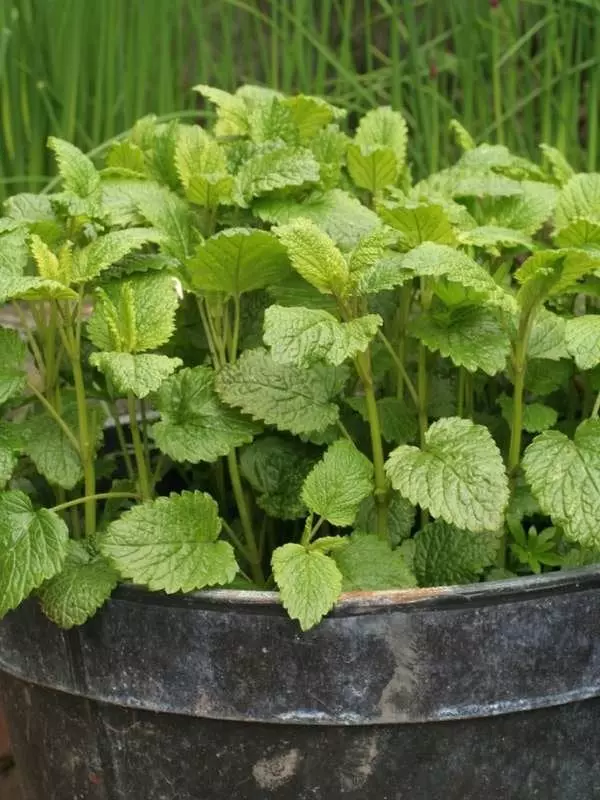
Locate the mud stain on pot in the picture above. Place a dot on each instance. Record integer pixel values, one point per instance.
(398, 694)
(359, 763)
(275, 772)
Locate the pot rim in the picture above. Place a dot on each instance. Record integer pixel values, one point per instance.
(358, 603)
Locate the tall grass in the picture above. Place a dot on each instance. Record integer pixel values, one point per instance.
(514, 71)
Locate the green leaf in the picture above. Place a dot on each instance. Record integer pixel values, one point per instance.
(33, 547)
(314, 256)
(383, 127)
(195, 425)
(373, 167)
(310, 115)
(582, 337)
(276, 469)
(559, 167)
(579, 198)
(337, 485)
(80, 589)
(107, 250)
(134, 315)
(547, 339)
(238, 260)
(462, 136)
(11, 443)
(202, 167)
(418, 223)
(53, 453)
(564, 476)
(459, 475)
(398, 423)
(493, 237)
(536, 416)
(544, 376)
(368, 563)
(485, 185)
(171, 544)
(75, 168)
(472, 336)
(15, 287)
(400, 517)
(172, 216)
(526, 212)
(294, 399)
(309, 583)
(304, 336)
(14, 253)
(445, 555)
(126, 155)
(12, 364)
(232, 111)
(329, 148)
(342, 217)
(273, 167)
(139, 374)
(385, 274)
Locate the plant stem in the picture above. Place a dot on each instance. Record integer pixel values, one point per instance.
(55, 416)
(102, 496)
(122, 441)
(236, 328)
(516, 433)
(235, 539)
(401, 368)
(400, 323)
(423, 391)
(138, 449)
(344, 430)
(596, 408)
(86, 446)
(245, 519)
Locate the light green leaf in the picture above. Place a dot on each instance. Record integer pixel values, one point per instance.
(459, 475)
(445, 555)
(418, 223)
(134, 315)
(564, 476)
(580, 233)
(500, 160)
(526, 212)
(33, 547)
(472, 336)
(582, 337)
(400, 517)
(329, 148)
(536, 416)
(14, 253)
(11, 443)
(126, 155)
(276, 469)
(544, 376)
(232, 111)
(383, 127)
(485, 185)
(492, 237)
(372, 168)
(139, 374)
(579, 198)
(314, 255)
(342, 217)
(386, 274)
(121, 199)
(195, 425)
(370, 250)
(274, 167)
(53, 453)
(547, 339)
(15, 287)
(310, 115)
(368, 563)
(309, 583)
(294, 399)
(559, 167)
(304, 336)
(463, 138)
(238, 260)
(398, 423)
(80, 589)
(172, 216)
(75, 168)
(12, 364)
(337, 485)
(107, 250)
(295, 291)
(171, 544)
(202, 167)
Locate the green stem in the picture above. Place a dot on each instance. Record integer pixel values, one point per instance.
(86, 446)
(245, 519)
(138, 449)
(400, 323)
(102, 496)
(114, 414)
(55, 416)
(596, 408)
(344, 430)
(423, 392)
(236, 540)
(236, 328)
(519, 366)
(401, 368)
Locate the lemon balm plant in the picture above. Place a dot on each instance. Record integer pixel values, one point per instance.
(315, 375)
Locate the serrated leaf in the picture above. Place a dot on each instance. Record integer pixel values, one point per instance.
(337, 485)
(418, 223)
(304, 336)
(12, 364)
(121, 199)
(107, 250)
(547, 339)
(16, 287)
(579, 198)
(559, 167)
(500, 160)
(458, 476)
(372, 168)
(295, 291)
(472, 336)
(82, 587)
(172, 216)
(171, 544)
(370, 250)
(342, 217)
(202, 167)
(14, 253)
(400, 517)
(232, 111)
(195, 425)
(445, 555)
(276, 469)
(526, 212)
(580, 233)
(238, 260)
(491, 237)
(294, 399)
(368, 563)
(139, 374)
(537, 417)
(310, 115)
(11, 443)
(314, 256)
(309, 583)
(386, 128)
(544, 376)
(462, 136)
(274, 167)
(386, 274)
(329, 148)
(582, 338)
(126, 155)
(398, 423)
(485, 185)
(75, 168)
(564, 476)
(33, 547)
(53, 453)
(134, 315)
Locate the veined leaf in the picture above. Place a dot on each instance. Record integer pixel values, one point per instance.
(368, 563)
(398, 423)
(171, 544)
(400, 517)
(274, 167)
(195, 425)
(491, 237)
(232, 111)
(172, 216)
(11, 444)
(579, 198)
(315, 256)
(373, 167)
(580, 233)
(14, 253)
(559, 167)
(383, 127)
(139, 374)
(77, 170)
(329, 148)
(107, 250)
(418, 223)
(202, 167)
(463, 138)
(582, 337)
(536, 416)
(547, 339)
(446, 555)
(525, 212)
(12, 364)
(53, 453)
(459, 475)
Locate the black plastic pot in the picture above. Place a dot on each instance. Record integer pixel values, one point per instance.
(471, 693)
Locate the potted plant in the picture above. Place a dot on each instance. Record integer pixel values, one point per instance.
(258, 358)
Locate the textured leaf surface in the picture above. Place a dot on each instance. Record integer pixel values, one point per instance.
(76, 169)
(303, 336)
(536, 416)
(314, 256)
(11, 443)
(560, 169)
(12, 364)
(368, 563)
(579, 198)
(419, 223)
(471, 336)
(400, 518)
(82, 587)
(52, 452)
(337, 485)
(291, 398)
(107, 250)
(547, 339)
(273, 168)
(139, 374)
(397, 421)
(202, 167)
(309, 583)
(33, 547)
(384, 127)
(373, 167)
(446, 555)
(171, 544)
(172, 216)
(582, 337)
(195, 425)
(564, 476)
(459, 475)
(527, 211)
(25, 287)
(14, 252)
(493, 236)
(238, 260)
